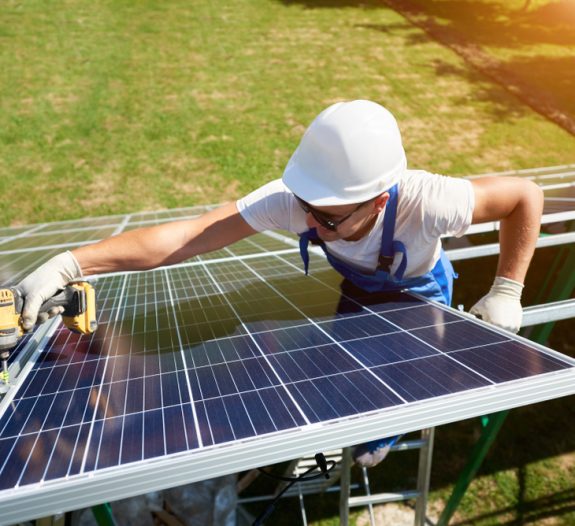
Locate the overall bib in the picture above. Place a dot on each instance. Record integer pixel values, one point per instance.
(436, 284)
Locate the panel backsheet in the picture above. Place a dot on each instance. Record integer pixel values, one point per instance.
(205, 355)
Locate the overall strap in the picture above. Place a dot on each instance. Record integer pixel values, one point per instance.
(304, 240)
(388, 245)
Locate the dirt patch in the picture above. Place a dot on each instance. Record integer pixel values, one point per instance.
(567, 461)
(395, 514)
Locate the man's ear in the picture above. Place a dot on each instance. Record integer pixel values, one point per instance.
(380, 202)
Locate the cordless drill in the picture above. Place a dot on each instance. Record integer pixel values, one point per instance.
(78, 300)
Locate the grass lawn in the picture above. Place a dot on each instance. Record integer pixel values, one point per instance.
(534, 40)
(122, 106)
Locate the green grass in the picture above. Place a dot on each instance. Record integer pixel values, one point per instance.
(111, 107)
(121, 106)
(536, 44)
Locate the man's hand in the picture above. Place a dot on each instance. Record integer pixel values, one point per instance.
(501, 306)
(43, 283)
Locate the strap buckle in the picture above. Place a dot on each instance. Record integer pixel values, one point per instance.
(384, 263)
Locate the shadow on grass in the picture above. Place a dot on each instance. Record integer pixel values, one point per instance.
(496, 24)
(549, 79)
(492, 23)
(336, 4)
(534, 511)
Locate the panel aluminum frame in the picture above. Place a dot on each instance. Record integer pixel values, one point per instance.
(78, 491)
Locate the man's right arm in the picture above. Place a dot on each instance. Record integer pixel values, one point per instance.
(139, 249)
(165, 244)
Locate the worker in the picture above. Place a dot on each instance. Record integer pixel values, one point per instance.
(347, 189)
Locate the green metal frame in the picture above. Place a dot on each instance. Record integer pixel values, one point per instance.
(560, 282)
(103, 515)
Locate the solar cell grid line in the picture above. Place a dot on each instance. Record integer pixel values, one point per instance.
(338, 342)
(94, 379)
(120, 228)
(31, 396)
(31, 471)
(92, 424)
(118, 379)
(90, 222)
(316, 325)
(190, 393)
(492, 343)
(60, 247)
(25, 233)
(11, 231)
(45, 232)
(110, 373)
(236, 281)
(56, 239)
(170, 213)
(15, 268)
(289, 395)
(189, 442)
(264, 244)
(410, 326)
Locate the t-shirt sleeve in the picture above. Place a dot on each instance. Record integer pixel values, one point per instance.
(271, 207)
(448, 204)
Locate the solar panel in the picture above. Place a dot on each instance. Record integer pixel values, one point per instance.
(213, 367)
(22, 249)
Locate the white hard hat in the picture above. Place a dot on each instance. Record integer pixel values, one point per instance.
(350, 153)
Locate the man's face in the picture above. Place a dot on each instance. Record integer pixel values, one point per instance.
(351, 222)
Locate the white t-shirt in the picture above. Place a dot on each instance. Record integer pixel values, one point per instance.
(429, 206)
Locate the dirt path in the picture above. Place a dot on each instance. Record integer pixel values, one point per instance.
(473, 54)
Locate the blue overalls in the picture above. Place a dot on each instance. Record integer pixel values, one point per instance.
(436, 284)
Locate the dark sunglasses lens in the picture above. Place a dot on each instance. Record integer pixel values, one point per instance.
(325, 222)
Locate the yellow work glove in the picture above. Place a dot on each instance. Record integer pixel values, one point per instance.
(501, 306)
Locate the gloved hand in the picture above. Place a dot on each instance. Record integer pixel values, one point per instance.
(501, 305)
(43, 283)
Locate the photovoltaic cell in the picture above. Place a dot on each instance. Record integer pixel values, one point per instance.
(237, 350)
(554, 205)
(39, 239)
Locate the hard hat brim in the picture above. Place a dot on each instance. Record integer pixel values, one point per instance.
(320, 195)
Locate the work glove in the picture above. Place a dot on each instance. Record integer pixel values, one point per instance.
(501, 306)
(43, 283)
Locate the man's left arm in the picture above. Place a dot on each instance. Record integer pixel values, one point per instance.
(518, 204)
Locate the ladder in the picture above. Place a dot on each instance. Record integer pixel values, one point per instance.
(420, 493)
(342, 473)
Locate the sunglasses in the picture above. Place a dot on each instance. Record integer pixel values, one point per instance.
(323, 219)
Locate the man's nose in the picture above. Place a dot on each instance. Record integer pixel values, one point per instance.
(311, 221)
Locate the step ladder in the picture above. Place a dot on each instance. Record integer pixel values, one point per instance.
(420, 493)
(342, 474)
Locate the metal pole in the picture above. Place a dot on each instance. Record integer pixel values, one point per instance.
(423, 475)
(368, 494)
(103, 515)
(344, 486)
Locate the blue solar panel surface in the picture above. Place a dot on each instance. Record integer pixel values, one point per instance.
(209, 354)
(235, 354)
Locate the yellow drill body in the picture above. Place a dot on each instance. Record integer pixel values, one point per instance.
(77, 299)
